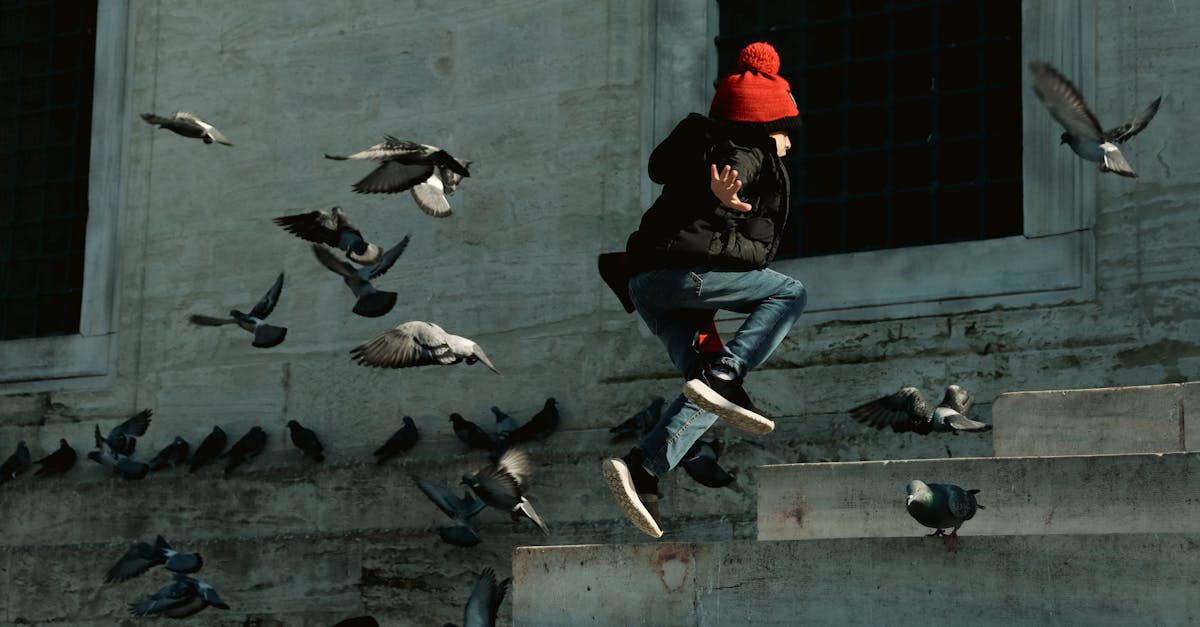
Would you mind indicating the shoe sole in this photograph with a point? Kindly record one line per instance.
(738, 417)
(620, 482)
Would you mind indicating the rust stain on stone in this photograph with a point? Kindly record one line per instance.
(797, 513)
(673, 566)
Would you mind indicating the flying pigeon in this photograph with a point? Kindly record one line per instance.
(418, 343)
(403, 439)
(122, 439)
(471, 434)
(429, 172)
(123, 465)
(332, 228)
(640, 423)
(1083, 132)
(501, 484)
(16, 463)
(265, 335)
(371, 302)
(906, 410)
(246, 448)
(700, 462)
(210, 448)
(484, 602)
(540, 426)
(142, 556)
(58, 462)
(940, 506)
(188, 125)
(459, 509)
(173, 454)
(183, 598)
(306, 440)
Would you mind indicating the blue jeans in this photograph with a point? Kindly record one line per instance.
(671, 300)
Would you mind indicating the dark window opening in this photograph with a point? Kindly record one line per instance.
(47, 63)
(912, 114)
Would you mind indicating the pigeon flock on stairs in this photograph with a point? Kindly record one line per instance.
(430, 174)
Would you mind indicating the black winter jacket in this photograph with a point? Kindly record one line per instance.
(687, 225)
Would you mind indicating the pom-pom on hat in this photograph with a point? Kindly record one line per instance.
(755, 94)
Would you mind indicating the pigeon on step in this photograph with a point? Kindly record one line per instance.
(940, 506)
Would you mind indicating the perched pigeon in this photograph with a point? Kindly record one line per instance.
(142, 556)
(125, 466)
(906, 410)
(182, 598)
(172, 455)
(505, 424)
(940, 505)
(246, 448)
(265, 335)
(484, 602)
(370, 303)
(403, 439)
(122, 439)
(418, 343)
(1083, 132)
(58, 462)
(429, 172)
(459, 509)
(471, 434)
(640, 423)
(501, 484)
(543, 423)
(332, 228)
(210, 448)
(16, 463)
(307, 441)
(188, 125)
(700, 462)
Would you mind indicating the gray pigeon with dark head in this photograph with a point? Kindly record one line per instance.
(418, 343)
(265, 335)
(16, 463)
(210, 448)
(540, 426)
(460, 509)
(906, 410)
(188, 125)
(307, 441)
(940, 506)
(502, 484)
(471, 434)
(1083, 132)
(183, 598)
(58, 462)
(123, 465)
(403, 439)
(332, 228)
(173, 454)
(370, 302)
(429, 172)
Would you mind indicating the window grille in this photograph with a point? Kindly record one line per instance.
(47, 63)
(912, 116)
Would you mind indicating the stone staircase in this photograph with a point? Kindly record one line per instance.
(1093, 518)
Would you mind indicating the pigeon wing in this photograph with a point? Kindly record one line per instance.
(901, 410)
(315, 226)
(515, 463)
(136, 424)
(431, 198)
(140, 557)
(210, 321)
(267, 303)
(389, 258)
(410, 344)
(960, 502)
(484, 602)
(445, 160)
(335, 265)
(1134, 126)
(392, 176)
(443, 498)
(1064, 101)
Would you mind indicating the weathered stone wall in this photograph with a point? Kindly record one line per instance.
(556, 104)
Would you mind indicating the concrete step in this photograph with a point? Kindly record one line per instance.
(1084, 494)
(1140, 419)
(1122, 579)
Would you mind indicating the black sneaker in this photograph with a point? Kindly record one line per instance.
(718, 391)
(635, 489)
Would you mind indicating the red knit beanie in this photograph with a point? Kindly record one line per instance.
(755, 93)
